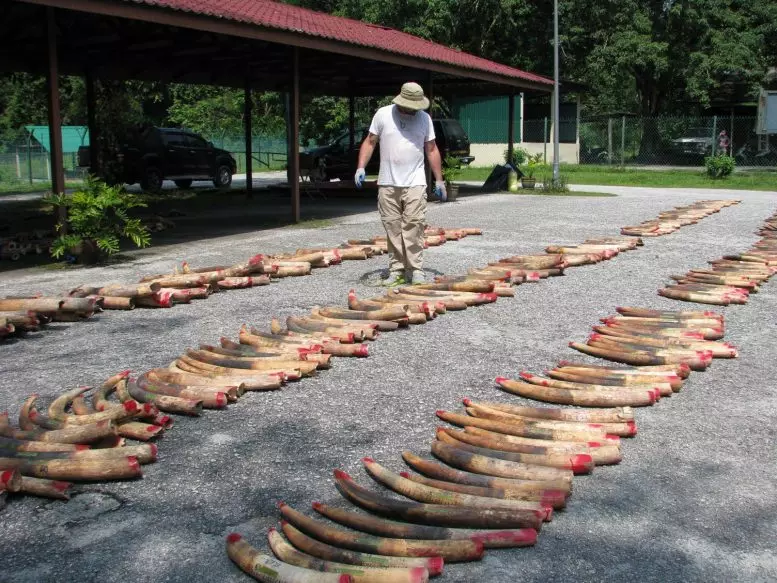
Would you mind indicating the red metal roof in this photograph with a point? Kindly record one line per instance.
(288, 18)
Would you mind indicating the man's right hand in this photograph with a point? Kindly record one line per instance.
(358, 179)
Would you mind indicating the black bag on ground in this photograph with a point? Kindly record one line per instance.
(497, 180)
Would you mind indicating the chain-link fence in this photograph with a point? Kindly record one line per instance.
(268, 152)
(674, 141)
(26, 166)
(23, 163)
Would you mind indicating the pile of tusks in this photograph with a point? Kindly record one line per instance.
(77, 439)
(732, 278)
(497, 478)
(669, 221)
(504, 470)
(453, 509)
(81, 436)
(20, 315)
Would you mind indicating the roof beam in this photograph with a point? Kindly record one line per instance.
(252, 31)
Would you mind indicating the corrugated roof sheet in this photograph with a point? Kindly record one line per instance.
(72, 137)
(288, 18)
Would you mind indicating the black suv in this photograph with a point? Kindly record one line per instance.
(335, 161)
(151, 155)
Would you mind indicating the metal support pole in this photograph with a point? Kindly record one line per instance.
(55, 117)
(29, 155)
(731, 135)
(248, 107)
(545, 142)
(91, 116)
(609, 141)
(430, 95)
(556, 95)
(294, 137)
(623, 141)
(510, 126)
(351, 122)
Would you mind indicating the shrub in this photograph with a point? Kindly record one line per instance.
(534, 164)
(451, 169)
(549, 187)
(519, 156)
(97, 213)
(719, 166)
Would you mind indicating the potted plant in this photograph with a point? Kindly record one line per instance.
(97, 218)
(533, 162)
(451, 171)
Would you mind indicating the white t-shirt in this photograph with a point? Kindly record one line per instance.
(402, 138)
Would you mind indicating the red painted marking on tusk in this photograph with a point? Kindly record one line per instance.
(436, 564)
(581, 463)
(340, 474)
(418, 575)
(233, 538)
(133, 463)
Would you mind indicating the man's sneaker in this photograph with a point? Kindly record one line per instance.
(394, 279)
(418, 277)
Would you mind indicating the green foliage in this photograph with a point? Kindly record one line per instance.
(97, 212)
(549, 186)
(533, 164)
(519, 156)
(719, 166)
(451, 169)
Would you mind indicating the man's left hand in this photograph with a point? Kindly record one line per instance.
(440, 191)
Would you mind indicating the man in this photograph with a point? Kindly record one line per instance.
(405, 132)
(723, 142)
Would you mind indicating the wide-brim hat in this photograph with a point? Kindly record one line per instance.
(412, 97)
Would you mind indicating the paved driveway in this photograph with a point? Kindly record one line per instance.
(695, 498)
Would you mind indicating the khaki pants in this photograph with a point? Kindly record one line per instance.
(403, 212)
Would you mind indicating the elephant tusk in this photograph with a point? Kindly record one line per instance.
(288, 554)
(632, 398)
(508, 538)
(449, 550)
(431, 495)
(434, 514)
(270, 570)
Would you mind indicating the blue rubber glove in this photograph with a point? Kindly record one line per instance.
(439, 191)
(358, 179)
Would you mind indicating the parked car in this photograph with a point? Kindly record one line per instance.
(149, 155)
(694, 142)
(337, 160)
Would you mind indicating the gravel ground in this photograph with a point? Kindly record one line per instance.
(693, 500)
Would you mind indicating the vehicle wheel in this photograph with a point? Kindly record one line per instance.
(184, 184)
(152, 180)
(223, 177)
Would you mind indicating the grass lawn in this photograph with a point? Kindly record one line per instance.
(37, 186)
(614, 176)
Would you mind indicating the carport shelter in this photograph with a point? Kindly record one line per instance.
(256, 44)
